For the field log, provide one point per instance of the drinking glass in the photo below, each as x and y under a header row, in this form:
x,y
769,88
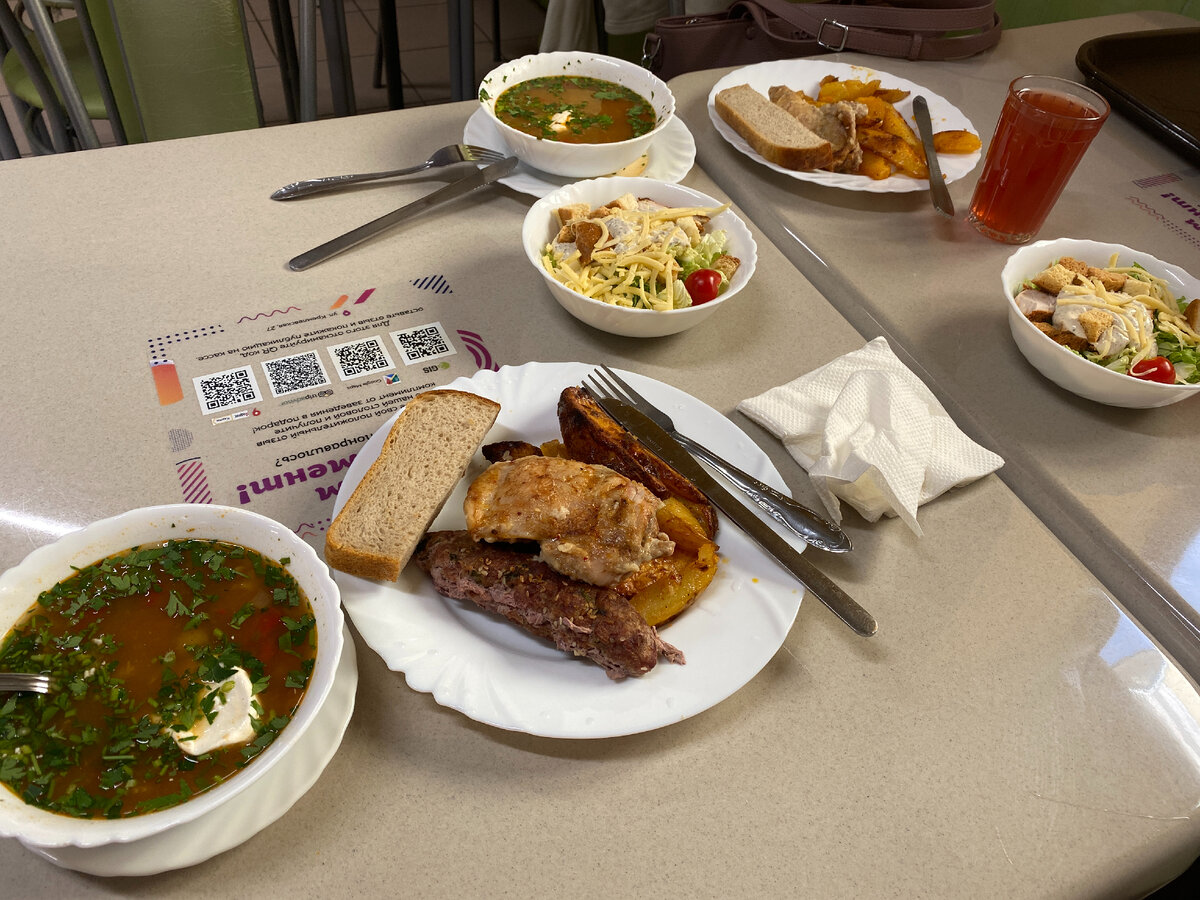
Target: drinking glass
x,y
1046,125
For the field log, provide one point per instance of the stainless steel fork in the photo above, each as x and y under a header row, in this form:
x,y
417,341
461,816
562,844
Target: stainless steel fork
x,y
446,156
783,509
22,681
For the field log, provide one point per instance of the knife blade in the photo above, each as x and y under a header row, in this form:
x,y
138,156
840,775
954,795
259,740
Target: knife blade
x,y
938,191
452,191
669,450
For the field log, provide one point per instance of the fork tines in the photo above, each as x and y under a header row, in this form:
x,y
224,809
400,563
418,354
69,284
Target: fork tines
x,y
473,153
22,681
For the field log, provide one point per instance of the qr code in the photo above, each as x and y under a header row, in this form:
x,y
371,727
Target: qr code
x,y
360,357
289,374
423,343
226,390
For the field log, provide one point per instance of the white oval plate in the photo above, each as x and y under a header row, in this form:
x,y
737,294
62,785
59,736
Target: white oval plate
x,y
672,155
498,674
805,75
245,815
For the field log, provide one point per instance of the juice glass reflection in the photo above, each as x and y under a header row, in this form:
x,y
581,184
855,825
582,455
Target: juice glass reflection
x,y
1046,125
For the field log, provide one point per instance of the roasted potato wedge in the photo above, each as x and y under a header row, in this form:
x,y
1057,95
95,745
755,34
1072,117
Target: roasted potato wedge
x,y
956,142
554,448
832,91
678,587
901,154
683,526
892,95
874,166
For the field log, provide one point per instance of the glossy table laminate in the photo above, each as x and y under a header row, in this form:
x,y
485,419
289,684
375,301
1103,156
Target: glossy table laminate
x,y
1115,485
1008,732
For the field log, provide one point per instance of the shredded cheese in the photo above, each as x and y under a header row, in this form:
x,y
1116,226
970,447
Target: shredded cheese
x,y
633,263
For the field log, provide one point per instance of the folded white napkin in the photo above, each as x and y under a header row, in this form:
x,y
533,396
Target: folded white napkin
x,y
867,430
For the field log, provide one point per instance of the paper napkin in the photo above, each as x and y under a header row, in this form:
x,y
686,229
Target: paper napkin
x,y
870,433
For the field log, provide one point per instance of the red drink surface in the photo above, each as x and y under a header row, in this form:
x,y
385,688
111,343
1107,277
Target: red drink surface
x,y
1039,140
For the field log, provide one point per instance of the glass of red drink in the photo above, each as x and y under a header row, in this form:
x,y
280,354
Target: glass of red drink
x,y
1046,125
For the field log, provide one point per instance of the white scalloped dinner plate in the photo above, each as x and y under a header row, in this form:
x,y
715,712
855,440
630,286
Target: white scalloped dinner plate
x,y
498,674
671,156
805,75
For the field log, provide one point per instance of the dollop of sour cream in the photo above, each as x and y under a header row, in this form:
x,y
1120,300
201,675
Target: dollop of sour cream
x,y
234,721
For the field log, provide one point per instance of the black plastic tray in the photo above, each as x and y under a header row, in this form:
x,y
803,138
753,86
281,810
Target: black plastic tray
x,y
1153,78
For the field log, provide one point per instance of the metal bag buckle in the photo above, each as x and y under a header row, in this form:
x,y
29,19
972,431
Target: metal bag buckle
x,y
836,24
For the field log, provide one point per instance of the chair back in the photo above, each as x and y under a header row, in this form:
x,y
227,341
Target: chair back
x,y
187,63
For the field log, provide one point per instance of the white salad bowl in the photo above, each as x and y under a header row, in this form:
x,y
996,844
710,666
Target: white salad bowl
x,y
46,566
577,160
1070,370
541,226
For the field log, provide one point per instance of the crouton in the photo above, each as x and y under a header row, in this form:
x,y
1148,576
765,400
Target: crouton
x,y
1112,281
625,201
567,214
1073,341
1040,315
1054,279
566,235
1095,322
587,234
1078,266
726,265
1136,288
1192,315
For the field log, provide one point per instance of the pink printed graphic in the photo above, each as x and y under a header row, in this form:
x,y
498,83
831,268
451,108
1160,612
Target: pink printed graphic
x,y
312,529
193,481
361,299
474,343
282,312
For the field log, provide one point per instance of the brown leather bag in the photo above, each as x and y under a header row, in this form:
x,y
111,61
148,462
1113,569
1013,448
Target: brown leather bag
x,y
751,31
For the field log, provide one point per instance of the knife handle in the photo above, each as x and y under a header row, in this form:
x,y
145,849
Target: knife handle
x,y
821,585
344,242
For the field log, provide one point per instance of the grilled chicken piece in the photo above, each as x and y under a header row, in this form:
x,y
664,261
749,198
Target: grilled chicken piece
x,y
592,435
588,621
593,524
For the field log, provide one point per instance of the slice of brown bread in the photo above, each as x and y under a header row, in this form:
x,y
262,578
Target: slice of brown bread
x,y
774,134
423,457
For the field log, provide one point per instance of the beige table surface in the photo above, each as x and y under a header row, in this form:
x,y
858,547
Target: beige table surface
x,y
1112,483
1008,732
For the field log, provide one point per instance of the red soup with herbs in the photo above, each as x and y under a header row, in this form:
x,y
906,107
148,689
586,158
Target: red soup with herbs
x,y
145,649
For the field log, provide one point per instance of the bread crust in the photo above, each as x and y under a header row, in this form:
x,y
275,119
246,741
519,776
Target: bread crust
x,y
773,133
377,530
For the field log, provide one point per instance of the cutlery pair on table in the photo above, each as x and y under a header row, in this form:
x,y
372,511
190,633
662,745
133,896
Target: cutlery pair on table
x,y
655,429
498,167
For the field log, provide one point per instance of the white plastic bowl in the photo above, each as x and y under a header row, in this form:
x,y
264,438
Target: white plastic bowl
x,y
46,566
577,160
541,226
1070,370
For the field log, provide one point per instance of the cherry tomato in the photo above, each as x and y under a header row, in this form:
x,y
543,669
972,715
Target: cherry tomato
x,y
703,285
1156,368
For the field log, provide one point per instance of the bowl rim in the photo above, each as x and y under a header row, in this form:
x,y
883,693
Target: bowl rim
x,y
1107,248
556,57
41,828
544,205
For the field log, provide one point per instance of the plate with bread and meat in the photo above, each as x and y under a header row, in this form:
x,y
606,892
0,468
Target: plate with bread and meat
x,y
518,555
841,125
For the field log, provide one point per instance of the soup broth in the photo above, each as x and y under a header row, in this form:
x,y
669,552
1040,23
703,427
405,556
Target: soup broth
x,y
574,109
133,645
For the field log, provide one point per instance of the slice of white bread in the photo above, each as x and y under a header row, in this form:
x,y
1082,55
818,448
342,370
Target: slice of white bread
x,y
774,134
423,457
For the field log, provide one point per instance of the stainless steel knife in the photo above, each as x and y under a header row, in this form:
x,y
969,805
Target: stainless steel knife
x,y
669,450
937,184
452,191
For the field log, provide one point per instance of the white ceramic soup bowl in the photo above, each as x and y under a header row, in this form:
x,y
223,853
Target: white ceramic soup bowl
x,y
1070,370
541,226
577,160
46,566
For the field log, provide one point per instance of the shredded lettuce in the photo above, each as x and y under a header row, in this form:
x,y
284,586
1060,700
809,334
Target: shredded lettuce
x,y
704,254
